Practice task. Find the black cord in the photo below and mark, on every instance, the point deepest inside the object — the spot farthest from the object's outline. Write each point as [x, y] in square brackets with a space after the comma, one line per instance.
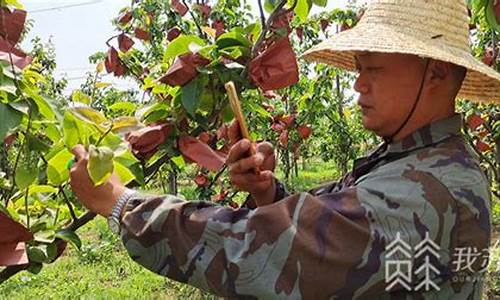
[389, 139]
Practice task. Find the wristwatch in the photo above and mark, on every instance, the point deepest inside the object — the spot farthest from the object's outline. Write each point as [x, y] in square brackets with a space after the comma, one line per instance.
[114, 219]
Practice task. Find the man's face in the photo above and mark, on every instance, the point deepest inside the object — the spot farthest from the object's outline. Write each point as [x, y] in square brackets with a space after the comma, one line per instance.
[388, 85]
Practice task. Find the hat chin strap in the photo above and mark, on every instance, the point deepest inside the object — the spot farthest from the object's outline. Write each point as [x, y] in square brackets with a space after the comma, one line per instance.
[389, 139]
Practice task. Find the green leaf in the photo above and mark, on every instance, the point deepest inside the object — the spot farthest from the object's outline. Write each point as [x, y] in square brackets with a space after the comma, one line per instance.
[36, 254]
[7, 85]
[21, 106]
[35, 144]
[69, 236]
[42, 189]
[53, 133]
[181, 45]
[321, 3]
[44, 107]
[100, 164]
[10, 119]
[227, 114]
[51, 251]
[126, 124]
[125, 106]
[302, 9]
[191, 93]
[179, 161]
[491, 16]
[79, 96]
[126, 158]
[25, 176]
[71, 133]
[14, 3]
[57, 171]
[232, 38]
[35, 267]
[89, 115]
[269, 5]
[46, 236]
[123, 173]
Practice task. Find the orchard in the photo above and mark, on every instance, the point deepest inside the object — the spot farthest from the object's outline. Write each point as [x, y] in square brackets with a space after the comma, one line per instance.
[171, 133]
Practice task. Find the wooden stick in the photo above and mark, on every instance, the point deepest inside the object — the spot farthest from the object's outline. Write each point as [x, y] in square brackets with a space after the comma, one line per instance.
[238, 114]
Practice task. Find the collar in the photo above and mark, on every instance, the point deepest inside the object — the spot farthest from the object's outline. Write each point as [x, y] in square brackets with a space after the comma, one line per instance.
[429, 134]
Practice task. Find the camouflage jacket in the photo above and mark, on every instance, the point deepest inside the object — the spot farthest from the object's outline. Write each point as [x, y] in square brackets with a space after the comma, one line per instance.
[334, 241]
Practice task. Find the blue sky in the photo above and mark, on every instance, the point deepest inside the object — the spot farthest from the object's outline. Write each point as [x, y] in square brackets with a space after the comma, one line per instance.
[79, 28]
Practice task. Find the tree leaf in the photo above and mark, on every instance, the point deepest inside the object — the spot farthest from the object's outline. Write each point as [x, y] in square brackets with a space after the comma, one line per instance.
[25, 176]
[125, 106]
[79, 96]
[36, 254]
[181, 45]
[302, 9]
[321, 3]
[69, 236]
[46, 236]
[71, 133]
[100, 164]
[209, 30]
[51, 251]
[7, 85]
[43, 189]
[44, 107]
[191, 93]
[232, 38]
[57, 171]
[89, 115]
[100, 85]
[123, 173]
[126, 124]
[491, 16]
[10, 119]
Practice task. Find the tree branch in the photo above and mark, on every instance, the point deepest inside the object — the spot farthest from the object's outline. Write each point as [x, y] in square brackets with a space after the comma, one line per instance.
[276, 12]
[195, 20]
[70, 207]
[262, 17]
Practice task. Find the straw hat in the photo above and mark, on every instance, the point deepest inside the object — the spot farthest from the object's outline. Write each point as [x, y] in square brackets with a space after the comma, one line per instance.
[429, 28]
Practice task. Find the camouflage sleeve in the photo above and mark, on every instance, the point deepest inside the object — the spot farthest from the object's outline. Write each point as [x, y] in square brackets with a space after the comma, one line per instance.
[330, 244]
[266, 252]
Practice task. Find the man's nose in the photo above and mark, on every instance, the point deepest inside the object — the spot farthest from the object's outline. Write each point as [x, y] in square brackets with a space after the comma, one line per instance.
[360, 85]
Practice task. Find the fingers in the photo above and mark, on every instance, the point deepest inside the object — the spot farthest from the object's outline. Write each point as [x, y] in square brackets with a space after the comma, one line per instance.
[265, 148]
[246, 164]
[251, 181]
[234, 132]
[238, 151]
[79, 152]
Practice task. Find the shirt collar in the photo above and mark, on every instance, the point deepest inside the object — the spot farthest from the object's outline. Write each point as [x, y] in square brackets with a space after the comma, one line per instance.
[429, 134]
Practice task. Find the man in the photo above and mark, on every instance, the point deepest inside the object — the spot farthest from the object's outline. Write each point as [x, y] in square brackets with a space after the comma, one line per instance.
[422, 184]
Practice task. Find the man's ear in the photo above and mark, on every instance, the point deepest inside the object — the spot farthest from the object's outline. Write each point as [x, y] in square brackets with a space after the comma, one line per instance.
[438, 72]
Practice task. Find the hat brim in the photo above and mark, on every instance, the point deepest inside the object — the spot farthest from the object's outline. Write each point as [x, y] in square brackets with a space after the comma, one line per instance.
[482, 83]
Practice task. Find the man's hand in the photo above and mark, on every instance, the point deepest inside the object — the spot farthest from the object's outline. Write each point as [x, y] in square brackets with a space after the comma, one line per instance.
[260, 185]
[99, 199]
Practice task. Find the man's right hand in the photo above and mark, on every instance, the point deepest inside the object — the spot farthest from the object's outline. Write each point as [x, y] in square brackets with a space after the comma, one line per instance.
[260, 185]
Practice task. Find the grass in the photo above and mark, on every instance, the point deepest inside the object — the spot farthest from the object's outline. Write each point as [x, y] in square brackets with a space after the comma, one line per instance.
[103, 270]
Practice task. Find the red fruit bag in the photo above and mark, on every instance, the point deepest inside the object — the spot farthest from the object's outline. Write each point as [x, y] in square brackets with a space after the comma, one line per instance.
[276, 67]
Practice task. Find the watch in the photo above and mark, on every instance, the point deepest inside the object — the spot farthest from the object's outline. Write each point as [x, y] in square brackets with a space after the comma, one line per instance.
[114, 219]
